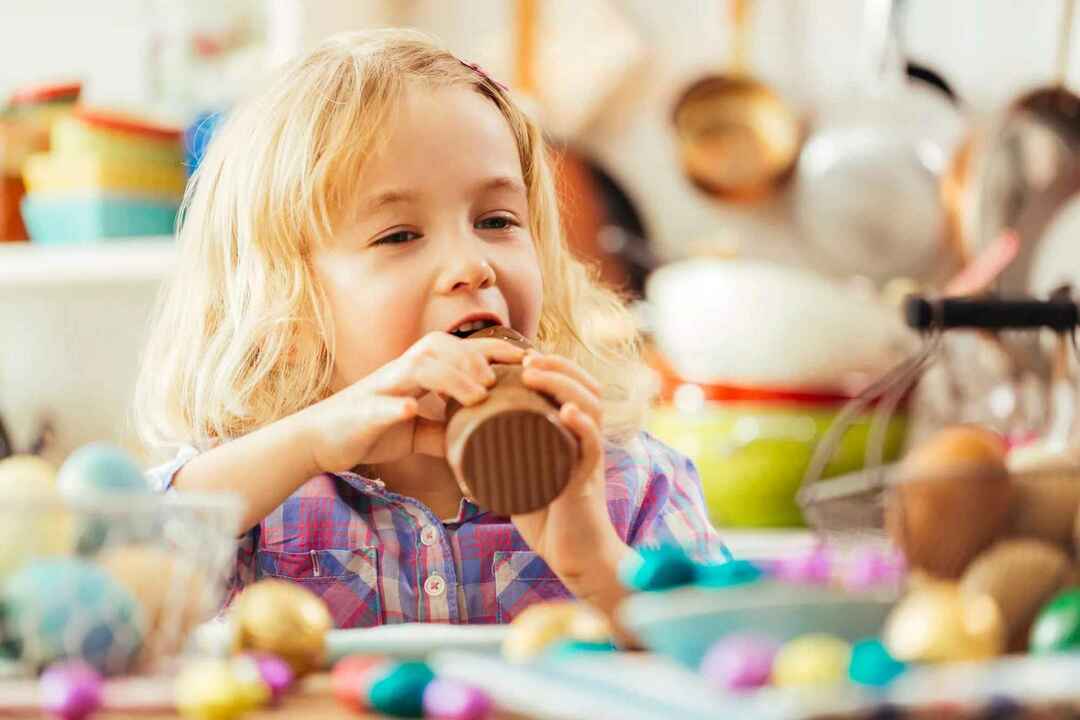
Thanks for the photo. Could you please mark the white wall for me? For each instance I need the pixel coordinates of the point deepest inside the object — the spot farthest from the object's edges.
(78, 347)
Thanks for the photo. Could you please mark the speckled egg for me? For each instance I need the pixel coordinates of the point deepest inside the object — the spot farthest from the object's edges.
(96, 472)
(70, 609)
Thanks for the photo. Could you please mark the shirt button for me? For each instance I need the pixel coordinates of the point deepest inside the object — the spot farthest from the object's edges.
(428, 536)
(435, 585)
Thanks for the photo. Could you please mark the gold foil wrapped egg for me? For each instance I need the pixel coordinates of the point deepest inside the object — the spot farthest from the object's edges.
(541, 625)
(283, 618)
(938, 622)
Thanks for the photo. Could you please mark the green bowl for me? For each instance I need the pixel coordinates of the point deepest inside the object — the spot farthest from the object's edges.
(752, 457)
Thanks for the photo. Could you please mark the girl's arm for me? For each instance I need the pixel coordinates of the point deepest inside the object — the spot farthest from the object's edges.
(371, 421)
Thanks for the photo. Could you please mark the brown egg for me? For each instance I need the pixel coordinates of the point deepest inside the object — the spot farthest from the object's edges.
(1021, 575)
(283, 618)
(937, 622)
(173, 593)
(952, 500)
(1045, 505)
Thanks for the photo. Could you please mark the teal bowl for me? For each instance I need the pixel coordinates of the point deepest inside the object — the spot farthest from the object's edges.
(685, 622)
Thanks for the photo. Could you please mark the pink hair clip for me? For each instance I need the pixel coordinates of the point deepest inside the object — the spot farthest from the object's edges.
(482, 73)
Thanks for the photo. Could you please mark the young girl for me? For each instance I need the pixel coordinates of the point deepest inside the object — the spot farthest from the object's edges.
(343, 229)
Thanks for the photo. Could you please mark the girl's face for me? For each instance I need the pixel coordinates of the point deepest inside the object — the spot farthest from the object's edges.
(439, 235)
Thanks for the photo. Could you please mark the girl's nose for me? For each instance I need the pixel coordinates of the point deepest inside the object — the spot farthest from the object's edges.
(469, 273)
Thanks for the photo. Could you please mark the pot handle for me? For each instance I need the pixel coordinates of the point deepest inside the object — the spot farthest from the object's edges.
(925, 314)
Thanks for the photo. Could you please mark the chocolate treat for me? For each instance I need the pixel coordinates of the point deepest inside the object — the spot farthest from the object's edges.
(510, 453)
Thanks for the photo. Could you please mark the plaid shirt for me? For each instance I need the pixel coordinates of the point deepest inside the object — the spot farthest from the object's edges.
(378, 557)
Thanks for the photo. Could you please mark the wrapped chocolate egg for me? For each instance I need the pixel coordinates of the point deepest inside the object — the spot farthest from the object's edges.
(814, 659)
(400, 691)
(70, 609)
(452, 700)
(538, 627)
(952, 500)
(33, 520)
(352, 677)
(1021, 575)
(285, 619)
(71, 690)
(937, 622)
(739, 661)
(1057, 626)
(208, 689)
(171, 590)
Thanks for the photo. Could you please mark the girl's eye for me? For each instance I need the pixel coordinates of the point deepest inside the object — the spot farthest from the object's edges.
(496, 222)
(397, 238)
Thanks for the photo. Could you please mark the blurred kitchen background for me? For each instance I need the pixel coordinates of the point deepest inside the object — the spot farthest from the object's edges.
(781, 171)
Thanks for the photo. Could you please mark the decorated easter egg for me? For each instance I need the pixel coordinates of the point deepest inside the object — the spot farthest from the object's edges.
(285, 619)
(814, 659)
(352, 677)
(207, 689)
(740, 661)
(657, 569)
(71, 690)
(937, 622)
(446, 699)
(33, 520)
(400, 692)
(96, 472)
(1057, 627)
(170, 589)
(70, 609)
(873, 665)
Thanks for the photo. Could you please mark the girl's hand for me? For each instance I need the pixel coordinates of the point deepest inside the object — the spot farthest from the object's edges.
(574, 534)
(378, 420)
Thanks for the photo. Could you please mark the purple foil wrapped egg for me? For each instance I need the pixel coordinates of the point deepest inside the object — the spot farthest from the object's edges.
(275, 672)
(811, 568)
(453, 700)
(740, 661)
(71, 690)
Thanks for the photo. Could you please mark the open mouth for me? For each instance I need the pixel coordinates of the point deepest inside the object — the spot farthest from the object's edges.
(468, 328)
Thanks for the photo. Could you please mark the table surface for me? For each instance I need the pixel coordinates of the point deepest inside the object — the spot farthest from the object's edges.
(311, 699)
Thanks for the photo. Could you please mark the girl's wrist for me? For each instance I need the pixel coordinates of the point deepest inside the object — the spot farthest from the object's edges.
(598, 583)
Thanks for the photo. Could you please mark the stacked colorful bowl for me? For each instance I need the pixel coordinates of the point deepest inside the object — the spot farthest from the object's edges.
(106, 176)
(25, 123)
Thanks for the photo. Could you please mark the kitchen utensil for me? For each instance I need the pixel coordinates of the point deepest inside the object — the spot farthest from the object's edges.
(852, 506)
(600, 217)
(738, 139)
(867, 194)
(1023, 169)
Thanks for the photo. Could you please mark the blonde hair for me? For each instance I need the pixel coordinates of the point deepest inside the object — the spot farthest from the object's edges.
(242, 334)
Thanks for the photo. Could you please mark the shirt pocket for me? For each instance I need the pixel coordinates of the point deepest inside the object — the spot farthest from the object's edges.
(521, 579)
(347, 580)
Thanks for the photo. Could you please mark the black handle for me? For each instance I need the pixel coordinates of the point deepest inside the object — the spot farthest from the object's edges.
(990, 314)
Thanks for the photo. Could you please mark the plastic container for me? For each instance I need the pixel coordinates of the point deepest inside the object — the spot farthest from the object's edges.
(111, 136)
(82, 220)
(90, 173)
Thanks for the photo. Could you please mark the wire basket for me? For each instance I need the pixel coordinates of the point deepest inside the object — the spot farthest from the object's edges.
(851, 508)
(116, 581)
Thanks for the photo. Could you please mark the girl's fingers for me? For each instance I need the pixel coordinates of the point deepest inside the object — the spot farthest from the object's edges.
(564, 389)
(565, 366)
(445, 379)
(496, 350)
(588, 434)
